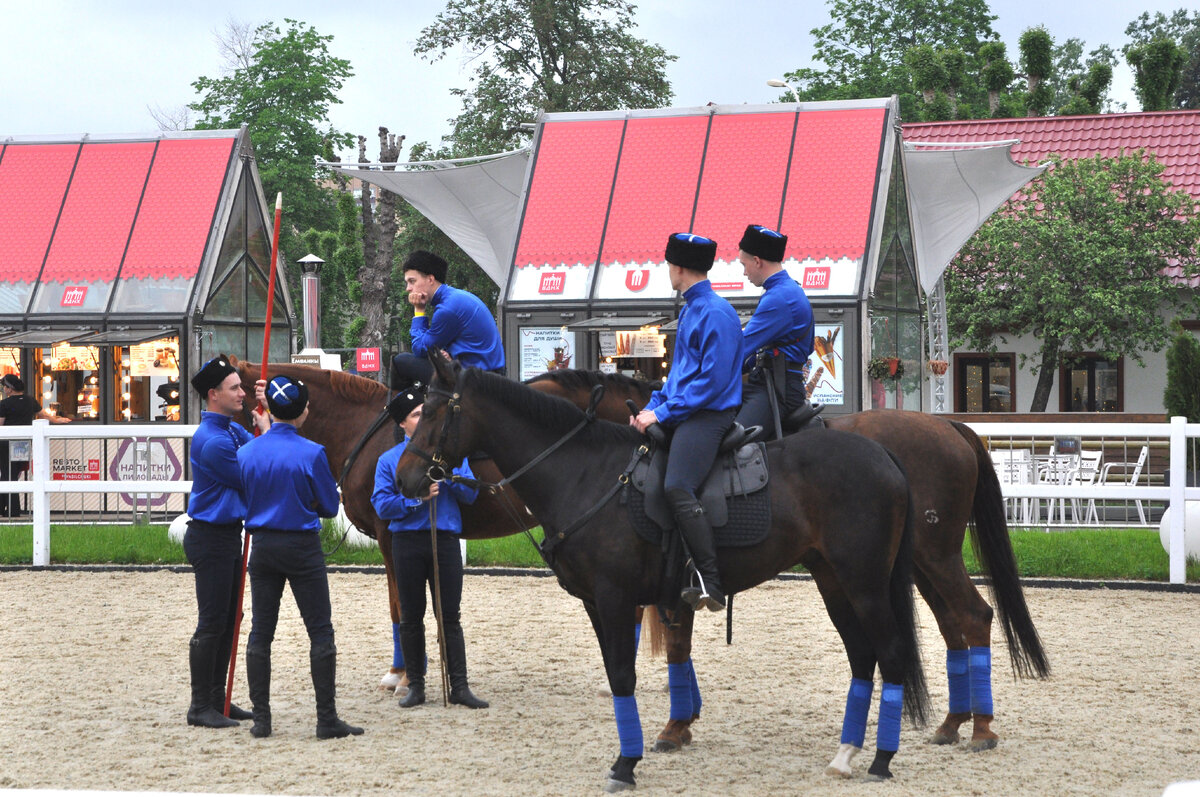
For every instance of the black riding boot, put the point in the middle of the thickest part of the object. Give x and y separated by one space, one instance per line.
456 664
258 676
221 675
412 645
202 653
323 661
698 535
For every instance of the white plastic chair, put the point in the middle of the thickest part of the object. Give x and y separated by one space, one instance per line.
1015 467
1132 472
1087 471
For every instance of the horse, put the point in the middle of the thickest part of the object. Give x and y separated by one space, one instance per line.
840 507
954 486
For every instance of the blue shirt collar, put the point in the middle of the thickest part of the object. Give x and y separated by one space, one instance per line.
777 277
217 418
699 289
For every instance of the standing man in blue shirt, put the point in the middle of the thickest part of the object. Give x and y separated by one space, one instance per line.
289 488
213 540
781 330
412 552
699 401
444 318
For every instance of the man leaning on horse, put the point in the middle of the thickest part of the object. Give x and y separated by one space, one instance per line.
698 402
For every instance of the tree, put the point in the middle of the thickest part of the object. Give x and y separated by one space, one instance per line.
1184 30
1080 86
1182 394
281 83
534 55
1157 72
1077 260
342 252
863 51
1037 60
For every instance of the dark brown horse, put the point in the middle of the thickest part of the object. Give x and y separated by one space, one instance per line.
954 486
838 504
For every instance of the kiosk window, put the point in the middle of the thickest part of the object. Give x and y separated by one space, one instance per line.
147 384
70 381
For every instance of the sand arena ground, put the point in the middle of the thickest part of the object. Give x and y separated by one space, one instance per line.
94 688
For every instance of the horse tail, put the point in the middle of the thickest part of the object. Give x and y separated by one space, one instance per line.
993 549
652 626
900 589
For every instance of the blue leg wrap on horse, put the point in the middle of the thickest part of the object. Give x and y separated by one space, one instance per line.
629 726
397 652
696 701
858 704
679 684
891 705
960 683
981 680
637 639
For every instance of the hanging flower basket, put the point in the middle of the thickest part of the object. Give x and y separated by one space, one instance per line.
938 367
885 368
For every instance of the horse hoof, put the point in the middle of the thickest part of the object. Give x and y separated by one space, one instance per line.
663 745
686 736
942 736
835 772
980 745
875 777
612 786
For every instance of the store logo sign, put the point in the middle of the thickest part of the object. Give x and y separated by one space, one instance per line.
816 278
74 296
553 282
637 279
367 360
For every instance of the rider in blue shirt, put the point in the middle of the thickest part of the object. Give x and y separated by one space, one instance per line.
781 330
412 555
289 488
699 401
213 540
445 318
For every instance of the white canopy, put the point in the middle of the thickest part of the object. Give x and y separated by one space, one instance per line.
476 205
951 194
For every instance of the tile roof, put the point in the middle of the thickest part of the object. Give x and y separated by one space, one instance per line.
1173 137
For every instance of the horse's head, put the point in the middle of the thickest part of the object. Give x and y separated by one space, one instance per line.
444 434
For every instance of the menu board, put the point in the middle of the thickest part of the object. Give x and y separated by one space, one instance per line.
632 343
74 358
826 380
545 349
157 358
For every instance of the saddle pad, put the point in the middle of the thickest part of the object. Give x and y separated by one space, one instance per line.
741 472
748 522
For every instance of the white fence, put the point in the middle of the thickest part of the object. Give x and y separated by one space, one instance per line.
1176 436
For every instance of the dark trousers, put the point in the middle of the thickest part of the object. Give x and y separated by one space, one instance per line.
10 503
756 401
215 554
412 554
694 449
295 558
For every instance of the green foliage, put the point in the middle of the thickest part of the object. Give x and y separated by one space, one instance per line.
1157 72
1081 86
1114 554
342 252
1075 261
1182 394
1183 29
283 91
1036 59
997 72
534 55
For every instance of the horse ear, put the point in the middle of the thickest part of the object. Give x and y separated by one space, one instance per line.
233 361
444 367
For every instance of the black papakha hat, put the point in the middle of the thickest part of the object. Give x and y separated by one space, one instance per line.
212 374
426 263
693 252
763 242
404 402
286 398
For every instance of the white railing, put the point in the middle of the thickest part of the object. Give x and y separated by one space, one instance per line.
1178 434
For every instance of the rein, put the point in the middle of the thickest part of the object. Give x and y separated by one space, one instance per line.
350 460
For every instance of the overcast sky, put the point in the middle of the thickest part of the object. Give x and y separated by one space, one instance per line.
95 67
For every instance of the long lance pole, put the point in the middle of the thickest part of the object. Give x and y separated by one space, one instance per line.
237 615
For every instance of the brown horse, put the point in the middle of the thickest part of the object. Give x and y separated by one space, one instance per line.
841 507
953 484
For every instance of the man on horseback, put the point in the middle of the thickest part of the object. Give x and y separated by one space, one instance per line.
779 337
699 401
213 541
445 318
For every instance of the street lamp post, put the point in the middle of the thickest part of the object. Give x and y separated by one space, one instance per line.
777 83
310 284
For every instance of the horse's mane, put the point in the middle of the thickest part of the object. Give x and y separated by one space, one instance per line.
349 388
579 379
548 412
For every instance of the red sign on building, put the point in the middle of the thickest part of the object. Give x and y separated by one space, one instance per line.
816 278
637 279
553 282
367 360
73 296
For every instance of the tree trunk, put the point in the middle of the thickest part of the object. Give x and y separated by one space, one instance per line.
1046 373
993 102
379 237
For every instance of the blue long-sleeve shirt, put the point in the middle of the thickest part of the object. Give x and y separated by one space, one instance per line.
216 482
460 323
287 480
706 366
412 514
783 320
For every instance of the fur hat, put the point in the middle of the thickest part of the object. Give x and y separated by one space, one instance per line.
404 402
286 398
426 263
212 374
763 242
693 252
